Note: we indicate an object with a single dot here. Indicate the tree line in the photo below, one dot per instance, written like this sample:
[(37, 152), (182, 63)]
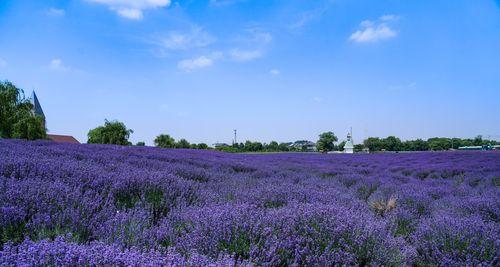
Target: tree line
[(17, 120), (115, 132), (393, 143)]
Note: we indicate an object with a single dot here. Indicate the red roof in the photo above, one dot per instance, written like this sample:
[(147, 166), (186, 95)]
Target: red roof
[(62, 138)]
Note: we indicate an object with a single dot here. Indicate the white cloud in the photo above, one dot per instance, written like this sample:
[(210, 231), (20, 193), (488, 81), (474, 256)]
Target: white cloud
[(374, 30), (274, 72), (195, 63), (220, 3), (245, 55), (317, 99), (306, 17), (195, 38), (201, 62), (262, 37), (55, 12), (3, 63), (130, 13), (409, 86), (389, 17), (132, 9), (57, 65)]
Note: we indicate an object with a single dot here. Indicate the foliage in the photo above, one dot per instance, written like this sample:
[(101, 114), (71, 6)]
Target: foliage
[(164, 141), (140, 143), (326, 141), (393, 143), (183, 143), (16, 118), (113, 132)]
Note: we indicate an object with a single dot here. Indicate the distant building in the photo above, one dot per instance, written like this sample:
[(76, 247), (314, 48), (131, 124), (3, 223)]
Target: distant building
[(220, 145), (483, 147), (349, 146), (62, 138), (304, 145), (37, 110)]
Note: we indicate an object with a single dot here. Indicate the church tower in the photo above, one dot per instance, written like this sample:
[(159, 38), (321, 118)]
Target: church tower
[(37, 108), (349, 145)]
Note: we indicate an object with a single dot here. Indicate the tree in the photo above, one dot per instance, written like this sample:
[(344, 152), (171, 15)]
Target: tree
[(16, 117), (183, 143), (373, 144), (164, 141), (392, 143), (420, 145), (29, 127), (273, 146), (341, 145), (478, 140), (202, 146), (113, 132), (140, 143), (284, 146), (326, 141), (438, 143), (358, 147)]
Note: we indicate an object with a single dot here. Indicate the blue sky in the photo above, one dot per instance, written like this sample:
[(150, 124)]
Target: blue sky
[(275, 70)]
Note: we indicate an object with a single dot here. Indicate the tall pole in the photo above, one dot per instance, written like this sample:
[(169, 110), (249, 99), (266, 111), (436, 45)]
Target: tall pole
[(235, 140)]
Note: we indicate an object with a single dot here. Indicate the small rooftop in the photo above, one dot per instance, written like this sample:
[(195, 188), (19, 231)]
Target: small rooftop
[(62, 138)]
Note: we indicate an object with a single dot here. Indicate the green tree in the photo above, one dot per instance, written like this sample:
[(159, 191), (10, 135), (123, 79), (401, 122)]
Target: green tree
[(478, 140), (140, 144), (113, 132), (183, 143), (273, 146), (29, 127), (358, 147), (438, 143), (164, 141), (341, 145), (392, 143), (202, 146), (284, 147), (16, 117), (326, 141), (373, 144), (420, 145)]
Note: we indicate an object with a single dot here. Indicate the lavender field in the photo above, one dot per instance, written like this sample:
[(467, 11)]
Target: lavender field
[(102, 205)]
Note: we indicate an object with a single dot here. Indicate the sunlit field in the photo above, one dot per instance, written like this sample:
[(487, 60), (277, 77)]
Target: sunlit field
[(112, 205)]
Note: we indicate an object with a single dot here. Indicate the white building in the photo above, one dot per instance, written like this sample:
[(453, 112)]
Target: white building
[(349, 146)]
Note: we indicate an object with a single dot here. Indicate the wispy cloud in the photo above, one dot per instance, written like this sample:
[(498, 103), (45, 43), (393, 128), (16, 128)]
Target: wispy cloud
[(55, 12), (245, 55), (3, 62), (132, 9), (308, 16), (201, 62), (372, 31), (57, 65), (221, 3), (251, 46), (195, 38), (260, 37), (317, 99), (275, 72), (403, 87)]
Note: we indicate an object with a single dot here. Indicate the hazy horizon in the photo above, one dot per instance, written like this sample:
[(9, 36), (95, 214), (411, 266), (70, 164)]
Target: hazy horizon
[(274, 70)]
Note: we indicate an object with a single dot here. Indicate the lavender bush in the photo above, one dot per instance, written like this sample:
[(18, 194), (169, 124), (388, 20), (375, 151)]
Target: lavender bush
[(97, 205)]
